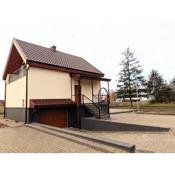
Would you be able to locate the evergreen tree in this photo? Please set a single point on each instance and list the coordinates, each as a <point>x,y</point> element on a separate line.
<point>156,85</point>
<point>172,83</point>
<point>130,78</point>
<point>172,87</point>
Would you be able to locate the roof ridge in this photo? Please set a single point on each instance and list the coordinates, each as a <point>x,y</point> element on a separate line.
<point>47,48</point>
<point>34,52</point>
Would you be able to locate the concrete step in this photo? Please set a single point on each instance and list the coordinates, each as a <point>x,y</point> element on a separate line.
<point>94,110</point>
<point>99,144</point>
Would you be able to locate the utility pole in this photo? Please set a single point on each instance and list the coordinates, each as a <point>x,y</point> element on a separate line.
<point>138,107</point>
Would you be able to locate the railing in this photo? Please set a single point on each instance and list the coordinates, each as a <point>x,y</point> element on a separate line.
<point>102,105</point>
<point>87,100</point>
<point>104,102</point>
<point>93,107</point>
<point>21,72</point>
<point>98,106</point>
<point>95,98</point>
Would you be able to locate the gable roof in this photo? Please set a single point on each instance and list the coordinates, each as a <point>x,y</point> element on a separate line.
<point>32,53</point>
<point>45,55</point>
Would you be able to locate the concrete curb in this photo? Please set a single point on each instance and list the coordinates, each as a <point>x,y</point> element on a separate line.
<point>121,112</point>
<point>106,125</point>
<point>109,142</point>
<point>61,135</point>
<point>153,113</point>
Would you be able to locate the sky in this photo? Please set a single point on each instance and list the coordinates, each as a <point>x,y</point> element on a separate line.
<point>98,31</point>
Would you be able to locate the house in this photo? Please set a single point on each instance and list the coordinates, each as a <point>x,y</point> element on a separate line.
<point>51,87</point>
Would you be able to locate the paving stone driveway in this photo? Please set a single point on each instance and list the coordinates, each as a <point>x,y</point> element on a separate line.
<point>163,142</point>
<point>147,141</point>
<point>21,139</point>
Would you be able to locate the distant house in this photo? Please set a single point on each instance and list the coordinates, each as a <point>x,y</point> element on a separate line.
<point>48,86</point>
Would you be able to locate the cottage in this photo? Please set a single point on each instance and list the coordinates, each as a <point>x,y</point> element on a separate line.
<point>51,87</point>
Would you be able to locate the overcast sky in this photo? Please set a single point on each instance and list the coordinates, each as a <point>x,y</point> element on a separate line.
<point>98,31</point>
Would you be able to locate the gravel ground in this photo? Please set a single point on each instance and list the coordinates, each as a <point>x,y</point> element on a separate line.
<point>145,119</point>
<point>10,123</point>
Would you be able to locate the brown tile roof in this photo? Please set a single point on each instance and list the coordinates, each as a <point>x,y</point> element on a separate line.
<point>42,103</point>
<point>39,54</point>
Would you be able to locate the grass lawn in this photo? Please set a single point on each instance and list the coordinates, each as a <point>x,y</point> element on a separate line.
<point>157,107</point>
<point>166,108</point>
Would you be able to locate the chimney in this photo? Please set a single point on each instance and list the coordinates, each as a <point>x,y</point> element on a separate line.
<point>53,48</point>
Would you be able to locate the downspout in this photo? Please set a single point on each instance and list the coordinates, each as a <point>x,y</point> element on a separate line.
<point>71,86</point>
<point>108,100</point>
<point>92,87</point>
<point>79,105</point>
<point>5,99</point>
<point>26,109</point>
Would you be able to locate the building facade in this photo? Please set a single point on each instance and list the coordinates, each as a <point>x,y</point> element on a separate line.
<point>47,86</point>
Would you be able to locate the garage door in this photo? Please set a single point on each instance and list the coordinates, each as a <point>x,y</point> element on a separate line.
<point>54,117</point>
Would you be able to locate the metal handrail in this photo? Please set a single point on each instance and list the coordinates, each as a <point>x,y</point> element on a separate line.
<point>98,105</point>
<point>95,97</point>
<point>84,96</point>
<point>99,100</point>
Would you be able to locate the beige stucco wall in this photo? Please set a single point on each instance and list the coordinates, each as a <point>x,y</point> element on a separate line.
<point>86,87</point>
<point>48,84</point>
<point>16,93</point>
<point>96,86</point>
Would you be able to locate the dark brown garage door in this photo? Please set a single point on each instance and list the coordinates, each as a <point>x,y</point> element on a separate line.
<point>54,117</point>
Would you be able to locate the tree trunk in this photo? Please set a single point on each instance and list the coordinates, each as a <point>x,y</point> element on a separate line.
<point>130,98</point>
<point>130,95</point>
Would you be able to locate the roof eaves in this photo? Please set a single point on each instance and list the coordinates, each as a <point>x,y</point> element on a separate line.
<point>20,51</point>
<point>8,58</point>
<point>14,43</point>
<point>92,66</point>
<point>50,66</point>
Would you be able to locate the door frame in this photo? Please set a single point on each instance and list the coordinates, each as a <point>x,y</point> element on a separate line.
<point>77,88</point>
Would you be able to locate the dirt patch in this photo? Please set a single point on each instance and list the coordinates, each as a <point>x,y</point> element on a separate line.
<point>2,125</point>
<point>158,109</point>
